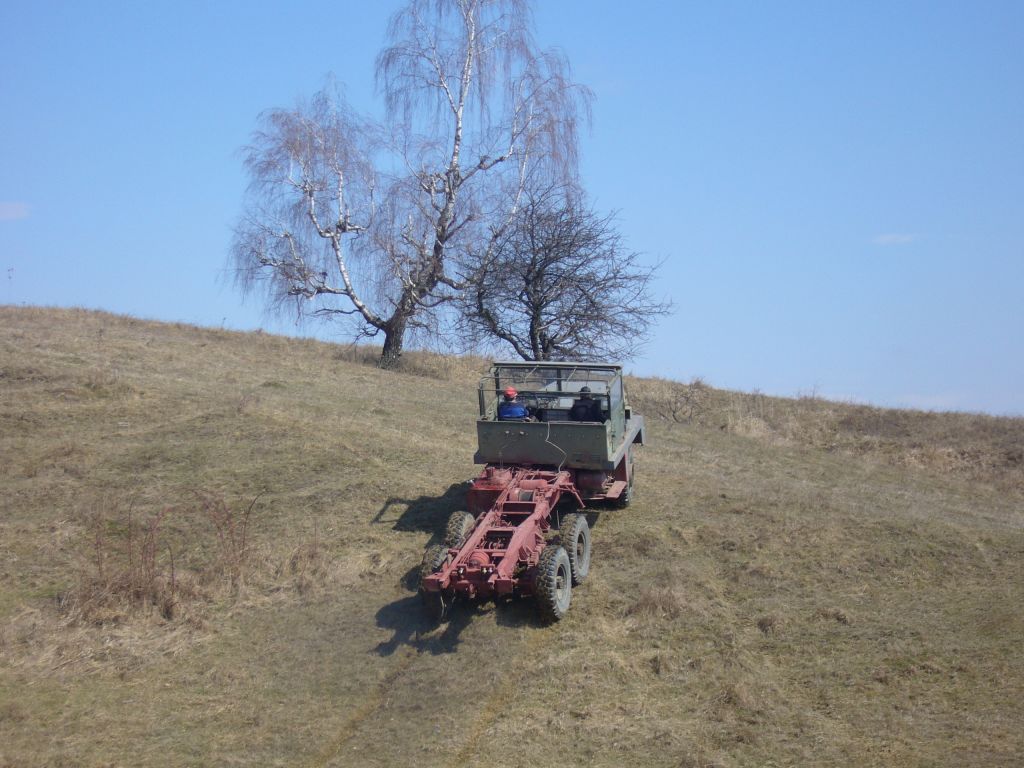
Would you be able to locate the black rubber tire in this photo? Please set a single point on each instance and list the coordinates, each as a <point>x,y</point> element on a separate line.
<point>433,559</point>
<point>459,525</point>
<point>553,588</point>
<point>574,536</point>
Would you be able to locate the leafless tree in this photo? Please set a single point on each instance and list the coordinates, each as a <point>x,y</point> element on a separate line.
<point>560,284</point>
<point>350,218</point>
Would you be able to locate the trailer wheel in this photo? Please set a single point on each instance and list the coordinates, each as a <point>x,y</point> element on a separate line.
<point>574,535</point>
<point>459,525</point>
<point>554,583</point>
<point>433,559</point>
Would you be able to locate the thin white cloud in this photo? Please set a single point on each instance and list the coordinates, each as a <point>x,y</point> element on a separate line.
<point>894,238</point>
<point>10,211</point>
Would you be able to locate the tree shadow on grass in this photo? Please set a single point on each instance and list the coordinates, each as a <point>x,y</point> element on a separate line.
<point>424,513</point>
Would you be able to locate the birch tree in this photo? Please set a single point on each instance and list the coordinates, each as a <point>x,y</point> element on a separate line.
<point>347,218</point>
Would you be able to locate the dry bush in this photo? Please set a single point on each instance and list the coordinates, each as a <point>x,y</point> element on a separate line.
<point>669,400</point>
<point>135,563</point>
<point>131,568</point>
<point>231,525</point>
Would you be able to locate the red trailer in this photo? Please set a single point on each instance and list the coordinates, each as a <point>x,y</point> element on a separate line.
<point>500,547</point>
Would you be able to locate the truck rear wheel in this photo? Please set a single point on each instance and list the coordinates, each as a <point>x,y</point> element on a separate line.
<point>554,583</point>
<point>574,535</point>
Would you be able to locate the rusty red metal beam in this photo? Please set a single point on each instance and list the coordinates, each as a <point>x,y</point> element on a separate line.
<point>508,537</point>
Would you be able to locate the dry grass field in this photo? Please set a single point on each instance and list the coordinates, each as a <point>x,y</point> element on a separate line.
<point>208,543</point>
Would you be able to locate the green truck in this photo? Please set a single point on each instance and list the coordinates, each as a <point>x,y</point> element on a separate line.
<point>554,437</point>
<point>595,443</point>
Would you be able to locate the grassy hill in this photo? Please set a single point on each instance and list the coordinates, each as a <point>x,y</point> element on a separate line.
<point>208,545</point>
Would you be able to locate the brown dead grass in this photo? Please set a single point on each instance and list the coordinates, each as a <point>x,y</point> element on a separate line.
<point>974,446</point>
<point>797,583</point>
<point>168,563</point>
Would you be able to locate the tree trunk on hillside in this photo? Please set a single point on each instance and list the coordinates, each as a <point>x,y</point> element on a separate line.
<point>394,334</point>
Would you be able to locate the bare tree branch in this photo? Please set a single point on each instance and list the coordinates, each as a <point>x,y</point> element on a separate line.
<point>559,283</point>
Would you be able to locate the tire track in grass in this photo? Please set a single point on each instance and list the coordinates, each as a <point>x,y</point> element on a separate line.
<point>457,676</point>
<point>497,702</point>
<point>397,685</point>
<point>363,711</point>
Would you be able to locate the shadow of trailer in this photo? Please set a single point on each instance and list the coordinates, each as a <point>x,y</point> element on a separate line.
<point>598,453</point>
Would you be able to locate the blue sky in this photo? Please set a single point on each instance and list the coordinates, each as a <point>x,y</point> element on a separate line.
<point>836,188</point>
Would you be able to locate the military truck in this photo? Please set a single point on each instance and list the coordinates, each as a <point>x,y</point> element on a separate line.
<point>598,453</point>
<point>554,454</point>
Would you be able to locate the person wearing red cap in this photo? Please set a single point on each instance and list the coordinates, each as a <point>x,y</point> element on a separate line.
<point>509,409</point>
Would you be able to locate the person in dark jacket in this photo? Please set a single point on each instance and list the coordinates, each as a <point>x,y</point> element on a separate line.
<point>586,408</point>
<point>509,409</point>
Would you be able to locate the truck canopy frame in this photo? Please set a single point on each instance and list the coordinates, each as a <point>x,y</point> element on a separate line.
<point>550,438</point>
